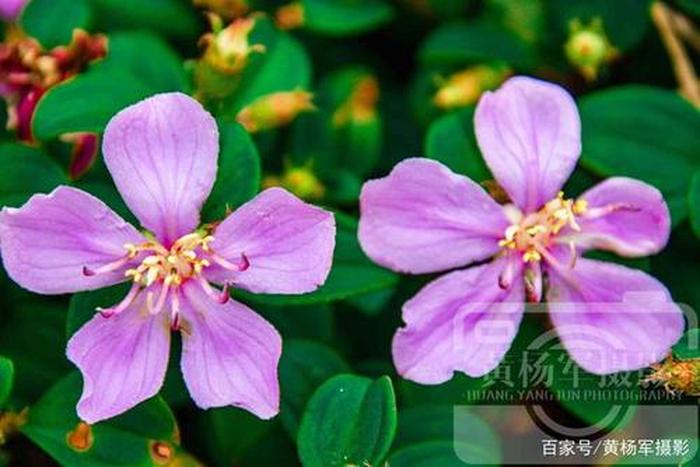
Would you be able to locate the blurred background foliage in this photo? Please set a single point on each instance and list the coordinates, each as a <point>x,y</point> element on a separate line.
<point>318,96</point>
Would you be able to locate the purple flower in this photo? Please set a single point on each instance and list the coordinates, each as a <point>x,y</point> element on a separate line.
<point>10,9</point>
<point>162,154</point>
<point>422,218</point>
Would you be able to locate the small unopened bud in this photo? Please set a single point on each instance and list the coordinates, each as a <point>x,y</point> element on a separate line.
<point>465,87</point>
<point>274,110</point>
<point>588,48</point>
<point>228,49</point>
<point>85,148</point>
<point>162,452</point>
<point>299,180</point>
<point>80,438</point>
<point>360,106</point>
<point>677,375</point>
<point>290,16</point>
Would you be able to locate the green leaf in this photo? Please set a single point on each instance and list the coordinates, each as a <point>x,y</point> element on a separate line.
<point>7,375</point>
<point>125,440</point>
<point>677,267</point>
<point>137,66</point>
<point>274,450</point>
<point>314,322</point>
<point>445,9</point>
<point>304,366</point>
<point>452,391</point>
<point>25,170</point>
<point>689,345</point>
<point>350,420</point>
<point>345,17</point>
<point>645,133</point>
<point>426,437</point>
<point>352,273</point>
<point>427,454</point>
<point>32,336</point>
<point>52,22</point>
<point>462,43</point>
<point>171,18</point>
<point>238,176</point>
<point>372,303</point>
<point>229,432</point>
<point>691,6</point>
<point>451,140</point>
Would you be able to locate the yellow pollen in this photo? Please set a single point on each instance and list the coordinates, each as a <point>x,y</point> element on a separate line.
<point>171,266</point>
<point>536,231</point>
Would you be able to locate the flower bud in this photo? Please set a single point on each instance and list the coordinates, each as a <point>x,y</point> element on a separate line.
<point>588,48</point>
<point>83,154</point>
<point>360,106</point>
<point>274,110</point>
<point>465,87</point>
<point>81,438</point>
<point>299,180</point>
<point>227,50</point>
<point>290,16</point>
<point>27,71</point>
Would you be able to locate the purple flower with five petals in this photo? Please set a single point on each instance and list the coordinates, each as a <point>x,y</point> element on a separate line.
<point>422,218</point>
<point>162,154</point>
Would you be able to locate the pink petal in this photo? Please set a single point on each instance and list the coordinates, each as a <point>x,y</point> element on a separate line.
<point>626,216</point>
<point>47,242</point>
<point>529,132</point>
<point>286,243</point>
<point>123,360</point>
<point>463,321</point>
<point>612,318</point>
<point>424,218</point>
<point>229,354</point>
<point>10,9</point>
<point>162,153</point>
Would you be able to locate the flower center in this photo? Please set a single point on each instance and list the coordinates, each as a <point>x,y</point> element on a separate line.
<point>183,261</point>
<point>532,235</point>
<point>162,271</point>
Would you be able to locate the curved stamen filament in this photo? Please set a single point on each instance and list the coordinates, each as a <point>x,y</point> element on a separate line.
<point>218,296</point>
<point>242,265</point>
<point>166,270</point>
<point>121,306</point>
<point>109,267</point>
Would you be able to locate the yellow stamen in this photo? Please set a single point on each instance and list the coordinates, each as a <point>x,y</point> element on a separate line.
<point>536,231</point>
<point>171,266</point>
